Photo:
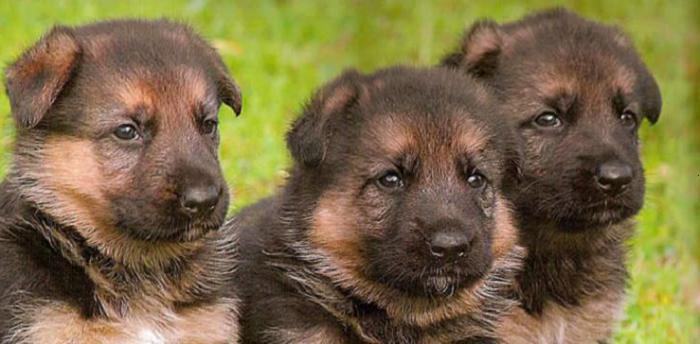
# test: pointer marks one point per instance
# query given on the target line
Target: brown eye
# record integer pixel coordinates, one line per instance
(476, 180)
(628, 120)
(548, 119)
(209, 126)
(390, 180)
(126, 132)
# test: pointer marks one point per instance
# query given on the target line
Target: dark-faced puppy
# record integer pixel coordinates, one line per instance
(111, 209)
(393, 227)
(577, 93)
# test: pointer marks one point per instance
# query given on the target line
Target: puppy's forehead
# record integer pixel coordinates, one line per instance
(453, 134)
(172, 89)
(596, 75)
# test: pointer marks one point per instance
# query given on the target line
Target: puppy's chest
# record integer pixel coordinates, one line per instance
(377, 328)
(592, 321)
(52, 322)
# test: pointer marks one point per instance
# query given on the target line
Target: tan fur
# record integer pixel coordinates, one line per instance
(472, 137)
(334, 233)
(56, 323)
(393, 134)
(483, 39)
(141, 289)
(76, 197)
(172, 93)
(345, 269)
(396, 137)
(339, 98)
(552, 83)
(587, 323)
(624, 78)
(55, 54)
(136, 292)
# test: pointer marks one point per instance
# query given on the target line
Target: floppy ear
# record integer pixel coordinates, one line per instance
(651, 97)
(229, 92)
(479, 50)
(646, 88)
(308, 138)
(35, 80)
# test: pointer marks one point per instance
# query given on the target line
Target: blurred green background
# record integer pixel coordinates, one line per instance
(279, 51)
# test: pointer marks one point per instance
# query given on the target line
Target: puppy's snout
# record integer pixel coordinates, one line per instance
(200, 200)
(449, 245)
(613, 176)
(450, 241)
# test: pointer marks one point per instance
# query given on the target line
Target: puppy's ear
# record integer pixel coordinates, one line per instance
(35, 80)
(651, 97)
(479, 51)
(308, 138)
(229, 92)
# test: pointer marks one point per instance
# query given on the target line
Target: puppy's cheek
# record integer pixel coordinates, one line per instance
(117, 159)
(505, 234)
(488, 202)
(375, 209)
(535, 149)
(334, 229)
(72, 173)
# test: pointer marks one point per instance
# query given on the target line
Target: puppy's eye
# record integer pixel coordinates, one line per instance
(390, 180)
(476, 180)
(209, 126)
(628, 120)
(126, 132)
(548, 119)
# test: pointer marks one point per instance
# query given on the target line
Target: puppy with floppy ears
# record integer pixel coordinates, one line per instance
(393, 226)
(111, 208)
(577, 93)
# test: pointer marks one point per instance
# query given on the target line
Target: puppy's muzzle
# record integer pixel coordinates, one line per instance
(613, 176)
(200, 200)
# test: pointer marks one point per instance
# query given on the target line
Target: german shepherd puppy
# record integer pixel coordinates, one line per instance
(577, 92)
(393, 226)
(110, 211)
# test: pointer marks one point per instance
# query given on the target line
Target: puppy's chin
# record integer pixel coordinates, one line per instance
(431, 284)
(162, 222)
(576, 219)
(171, 229)
(578, 210)
(595, 219)
(446, 285)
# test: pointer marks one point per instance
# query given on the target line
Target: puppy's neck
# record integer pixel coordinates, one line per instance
(568, 268)
(195, 276)
(377, 313)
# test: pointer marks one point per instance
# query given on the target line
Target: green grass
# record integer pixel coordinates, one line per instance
(279, 51)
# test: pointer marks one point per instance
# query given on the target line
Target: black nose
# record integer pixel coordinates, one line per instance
(450, 245)
(200, 200)
(613, 176)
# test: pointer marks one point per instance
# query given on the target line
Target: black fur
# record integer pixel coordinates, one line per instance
(65, 91)
(589, 75)
(337, 146)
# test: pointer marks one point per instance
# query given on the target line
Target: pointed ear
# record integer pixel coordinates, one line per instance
(308, 138)
(35, 80)
(479, 50)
